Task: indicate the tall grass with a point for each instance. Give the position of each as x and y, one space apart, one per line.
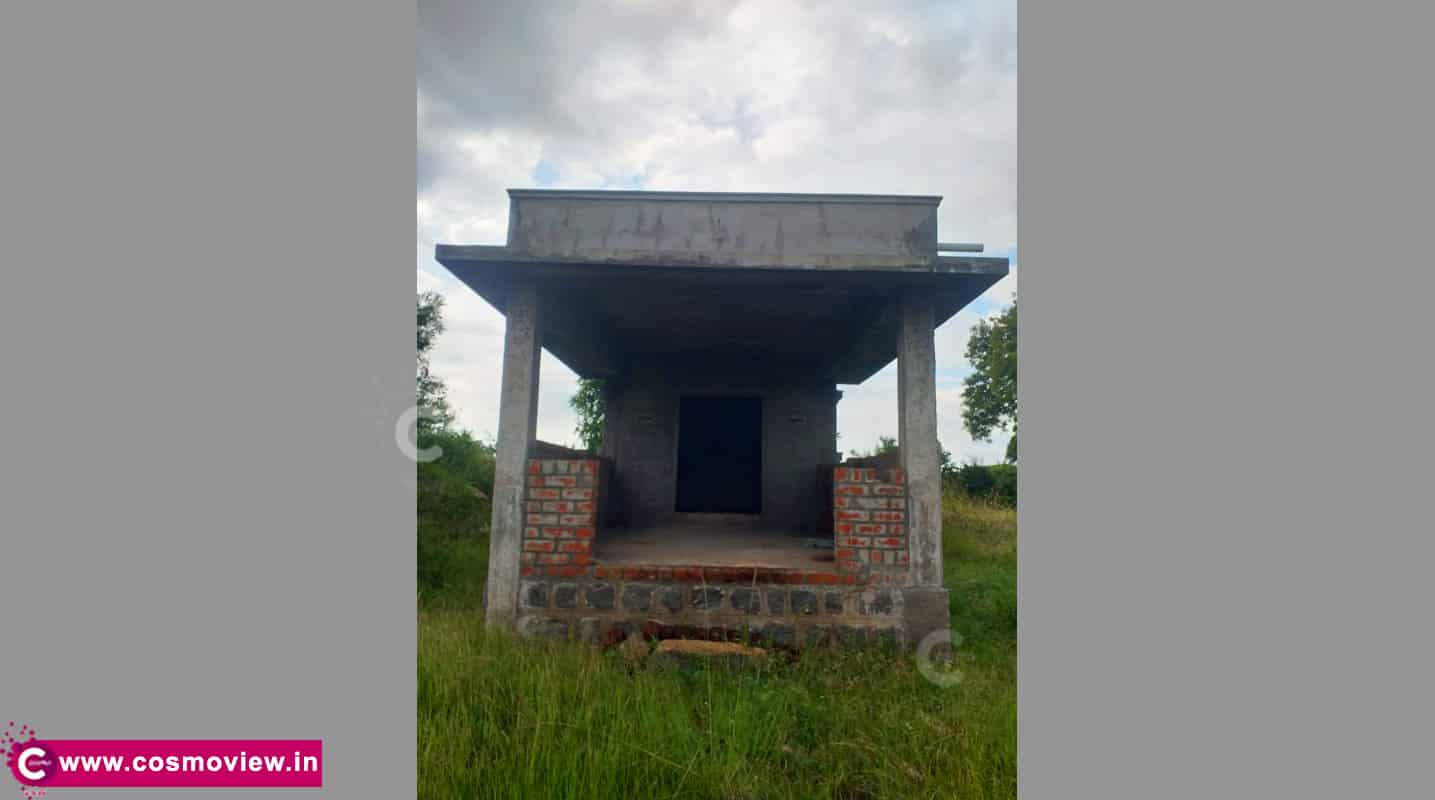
500 717
979 568
453 569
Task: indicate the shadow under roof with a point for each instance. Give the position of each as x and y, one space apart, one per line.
800 285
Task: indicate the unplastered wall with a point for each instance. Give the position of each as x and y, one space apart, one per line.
870 523
563 505
641 440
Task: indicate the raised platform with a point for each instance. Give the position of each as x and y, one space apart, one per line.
713 577
709 545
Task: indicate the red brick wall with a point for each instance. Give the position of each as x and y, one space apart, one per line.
563 505
869 509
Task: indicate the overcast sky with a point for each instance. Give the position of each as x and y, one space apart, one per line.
758 96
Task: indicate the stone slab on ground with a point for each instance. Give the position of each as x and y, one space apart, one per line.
691 652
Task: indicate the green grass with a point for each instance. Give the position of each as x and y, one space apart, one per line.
503 717
452 569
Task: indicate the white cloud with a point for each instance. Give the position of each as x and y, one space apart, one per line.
902 97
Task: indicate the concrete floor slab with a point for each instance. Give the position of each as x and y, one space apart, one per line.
716 545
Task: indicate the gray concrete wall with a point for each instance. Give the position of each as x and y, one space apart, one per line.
641 439
760 231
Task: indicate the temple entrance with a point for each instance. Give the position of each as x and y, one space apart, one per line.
720 455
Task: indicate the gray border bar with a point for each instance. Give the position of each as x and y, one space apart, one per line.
208 520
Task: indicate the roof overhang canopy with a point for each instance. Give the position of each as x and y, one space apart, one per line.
801 285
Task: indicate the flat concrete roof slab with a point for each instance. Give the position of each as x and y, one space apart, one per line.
830 317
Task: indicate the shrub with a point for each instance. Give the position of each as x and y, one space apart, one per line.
453 519
462 457
452 569
996 482
1004 481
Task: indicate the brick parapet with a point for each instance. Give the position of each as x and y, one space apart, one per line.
563 509
869 509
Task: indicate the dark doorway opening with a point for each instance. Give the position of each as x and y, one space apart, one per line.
720 455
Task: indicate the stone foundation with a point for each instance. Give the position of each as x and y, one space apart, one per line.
780 614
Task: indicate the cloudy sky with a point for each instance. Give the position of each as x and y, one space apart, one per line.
757 96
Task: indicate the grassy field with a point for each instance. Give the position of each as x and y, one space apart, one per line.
500 717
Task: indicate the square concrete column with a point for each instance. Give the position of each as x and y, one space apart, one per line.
926 600
517 428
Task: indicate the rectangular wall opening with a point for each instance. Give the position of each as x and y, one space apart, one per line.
720 455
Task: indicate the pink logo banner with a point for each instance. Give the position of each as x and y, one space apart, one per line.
164 763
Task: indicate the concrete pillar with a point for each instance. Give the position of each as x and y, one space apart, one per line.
926 603
517 428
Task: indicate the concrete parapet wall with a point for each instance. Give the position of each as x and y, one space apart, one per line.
772 231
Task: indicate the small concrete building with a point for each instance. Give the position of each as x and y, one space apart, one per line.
721 325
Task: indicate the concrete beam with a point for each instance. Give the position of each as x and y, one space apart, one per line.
517 429
598 316
917 430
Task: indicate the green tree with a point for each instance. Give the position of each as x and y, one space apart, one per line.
588 404
432 394
947 468
885 444
989 393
